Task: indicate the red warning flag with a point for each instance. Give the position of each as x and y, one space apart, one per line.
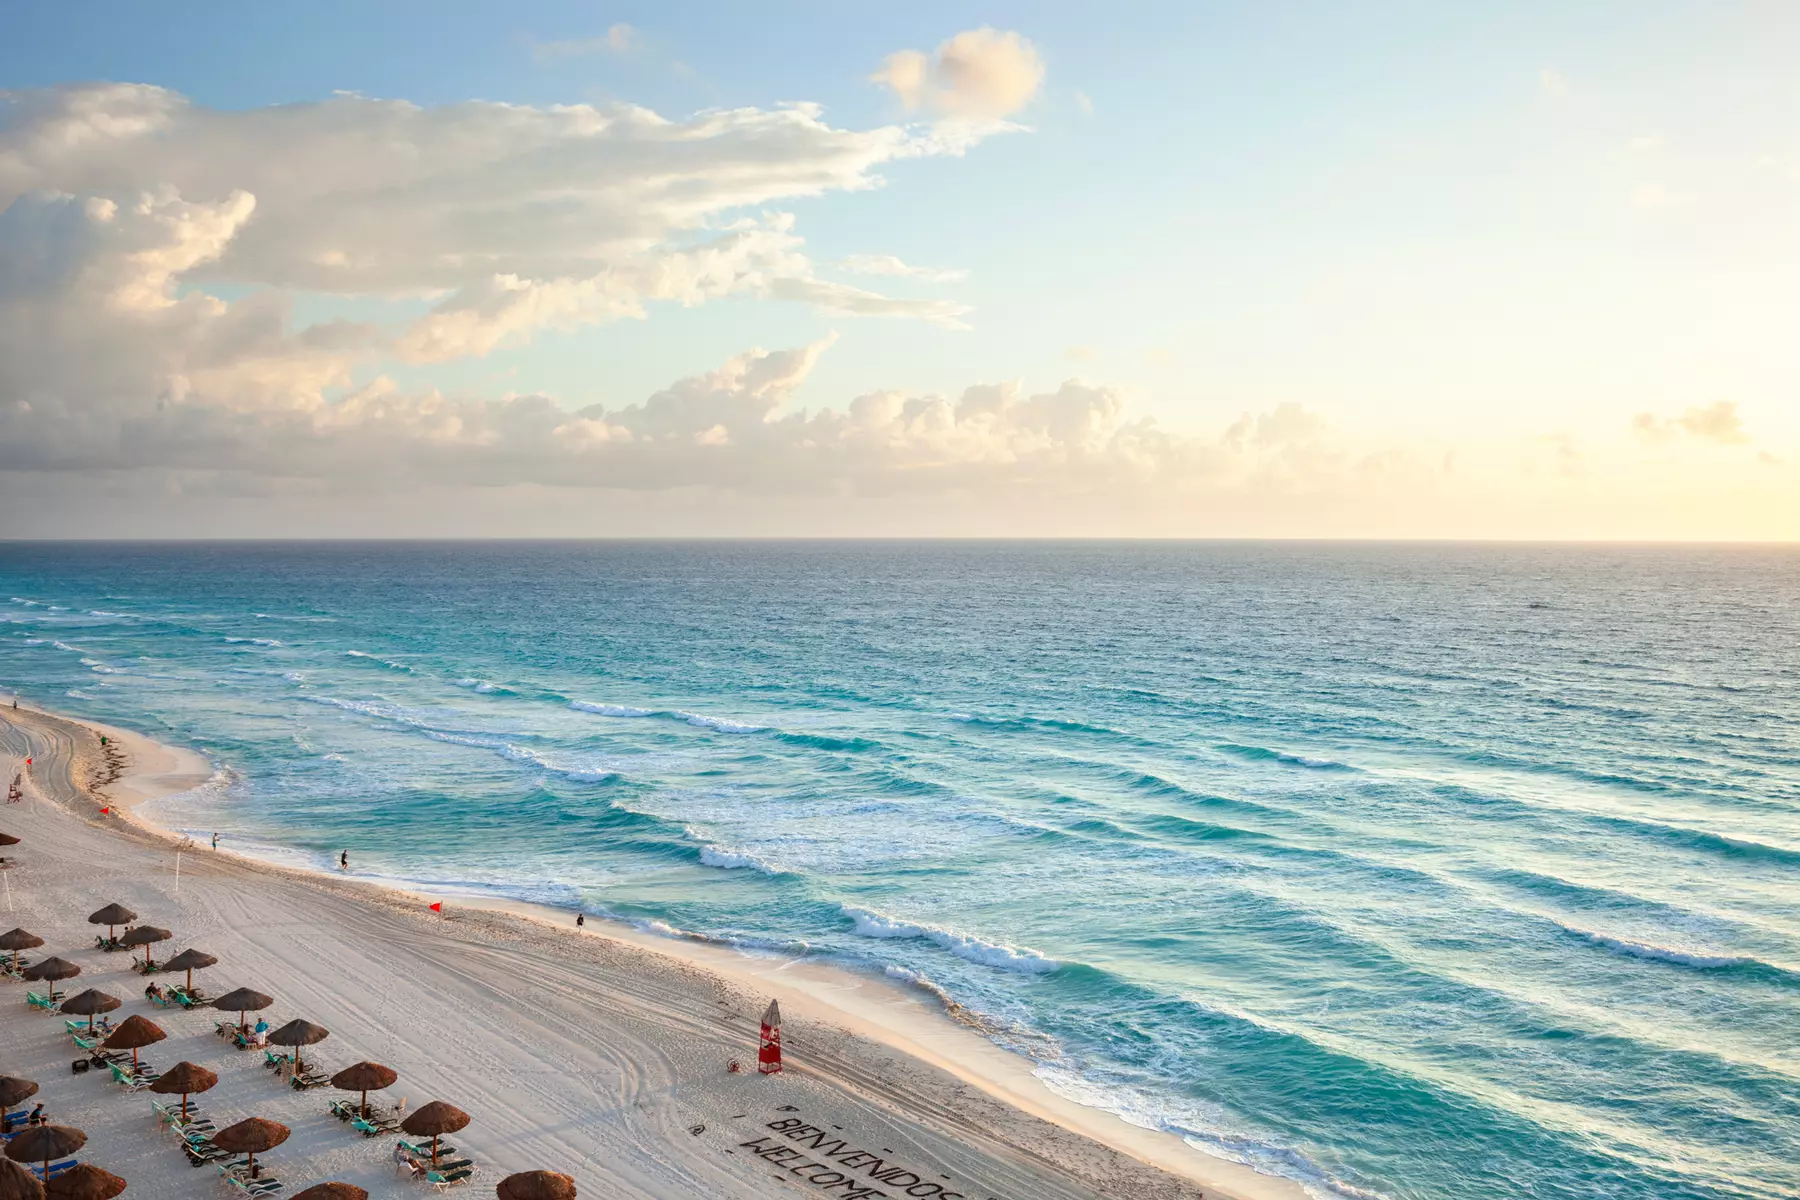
768 1054
106 811
437 906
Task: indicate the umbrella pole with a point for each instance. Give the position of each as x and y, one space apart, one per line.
365 1104
190 982
184 1097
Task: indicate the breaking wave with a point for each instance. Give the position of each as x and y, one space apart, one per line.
965 946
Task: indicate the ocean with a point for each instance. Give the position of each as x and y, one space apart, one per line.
1428 872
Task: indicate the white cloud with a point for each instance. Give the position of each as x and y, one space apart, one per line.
888 264
618 39
980 73
1719 422
513 217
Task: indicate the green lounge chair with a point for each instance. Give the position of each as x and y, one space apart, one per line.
41 1003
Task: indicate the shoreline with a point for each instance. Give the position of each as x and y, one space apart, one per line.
884 1013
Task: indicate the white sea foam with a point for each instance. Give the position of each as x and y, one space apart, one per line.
69 648
736 860
483 686
390 664
34 641
1668 954
611 710
871 924
718 724
255 641
97 612
293 677
78 694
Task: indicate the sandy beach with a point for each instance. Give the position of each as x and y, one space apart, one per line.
602 1053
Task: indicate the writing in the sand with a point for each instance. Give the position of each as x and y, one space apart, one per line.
834 1165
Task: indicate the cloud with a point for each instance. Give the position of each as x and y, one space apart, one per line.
509 218
979 73
887 264
618 39
1718 423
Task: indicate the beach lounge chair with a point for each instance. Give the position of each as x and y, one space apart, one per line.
124 1077
239 1182
169 1113
423 1153
56 1168
274 1061
201 1149
443 1181
185 998
41 1003
305 1080
107 944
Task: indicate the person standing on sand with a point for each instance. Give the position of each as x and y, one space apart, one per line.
344 860
215 840
580 920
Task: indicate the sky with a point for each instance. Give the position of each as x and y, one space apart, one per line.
812 269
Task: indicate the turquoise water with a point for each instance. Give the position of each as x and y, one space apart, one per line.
1406 871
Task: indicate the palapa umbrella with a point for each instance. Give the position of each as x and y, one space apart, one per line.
112 916
251 1136
14 1090
134 1032
89 1004
184 1079
85 1181
298 1034
145 936
536 1185
364 1077
7 839
333 1191
16 1183
50 970
44 1143
434 1120
242 1001
190 961
17 940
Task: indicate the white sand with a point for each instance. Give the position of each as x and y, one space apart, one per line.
598 1054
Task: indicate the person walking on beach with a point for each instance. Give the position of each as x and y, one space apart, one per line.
344 860
580 920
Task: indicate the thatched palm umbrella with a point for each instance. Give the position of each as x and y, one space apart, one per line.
84 1181
89 1004
333 1191
7 839
17 940
16 1183
434 1120
536 1185
133 1033
184 1079
50 970
251 1136
364 1077
14 1090
297 1034
242 1001
145 936
112 916
44 1143
190 961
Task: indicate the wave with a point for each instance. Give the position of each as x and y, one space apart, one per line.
100 668
965 946
737 860
1694 959
1265 754
484 687
285 617
611 710
255 641
27 603
718 724
69 648
389 663
96 612
1702 839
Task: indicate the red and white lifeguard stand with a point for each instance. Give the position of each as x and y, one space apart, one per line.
768 1054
